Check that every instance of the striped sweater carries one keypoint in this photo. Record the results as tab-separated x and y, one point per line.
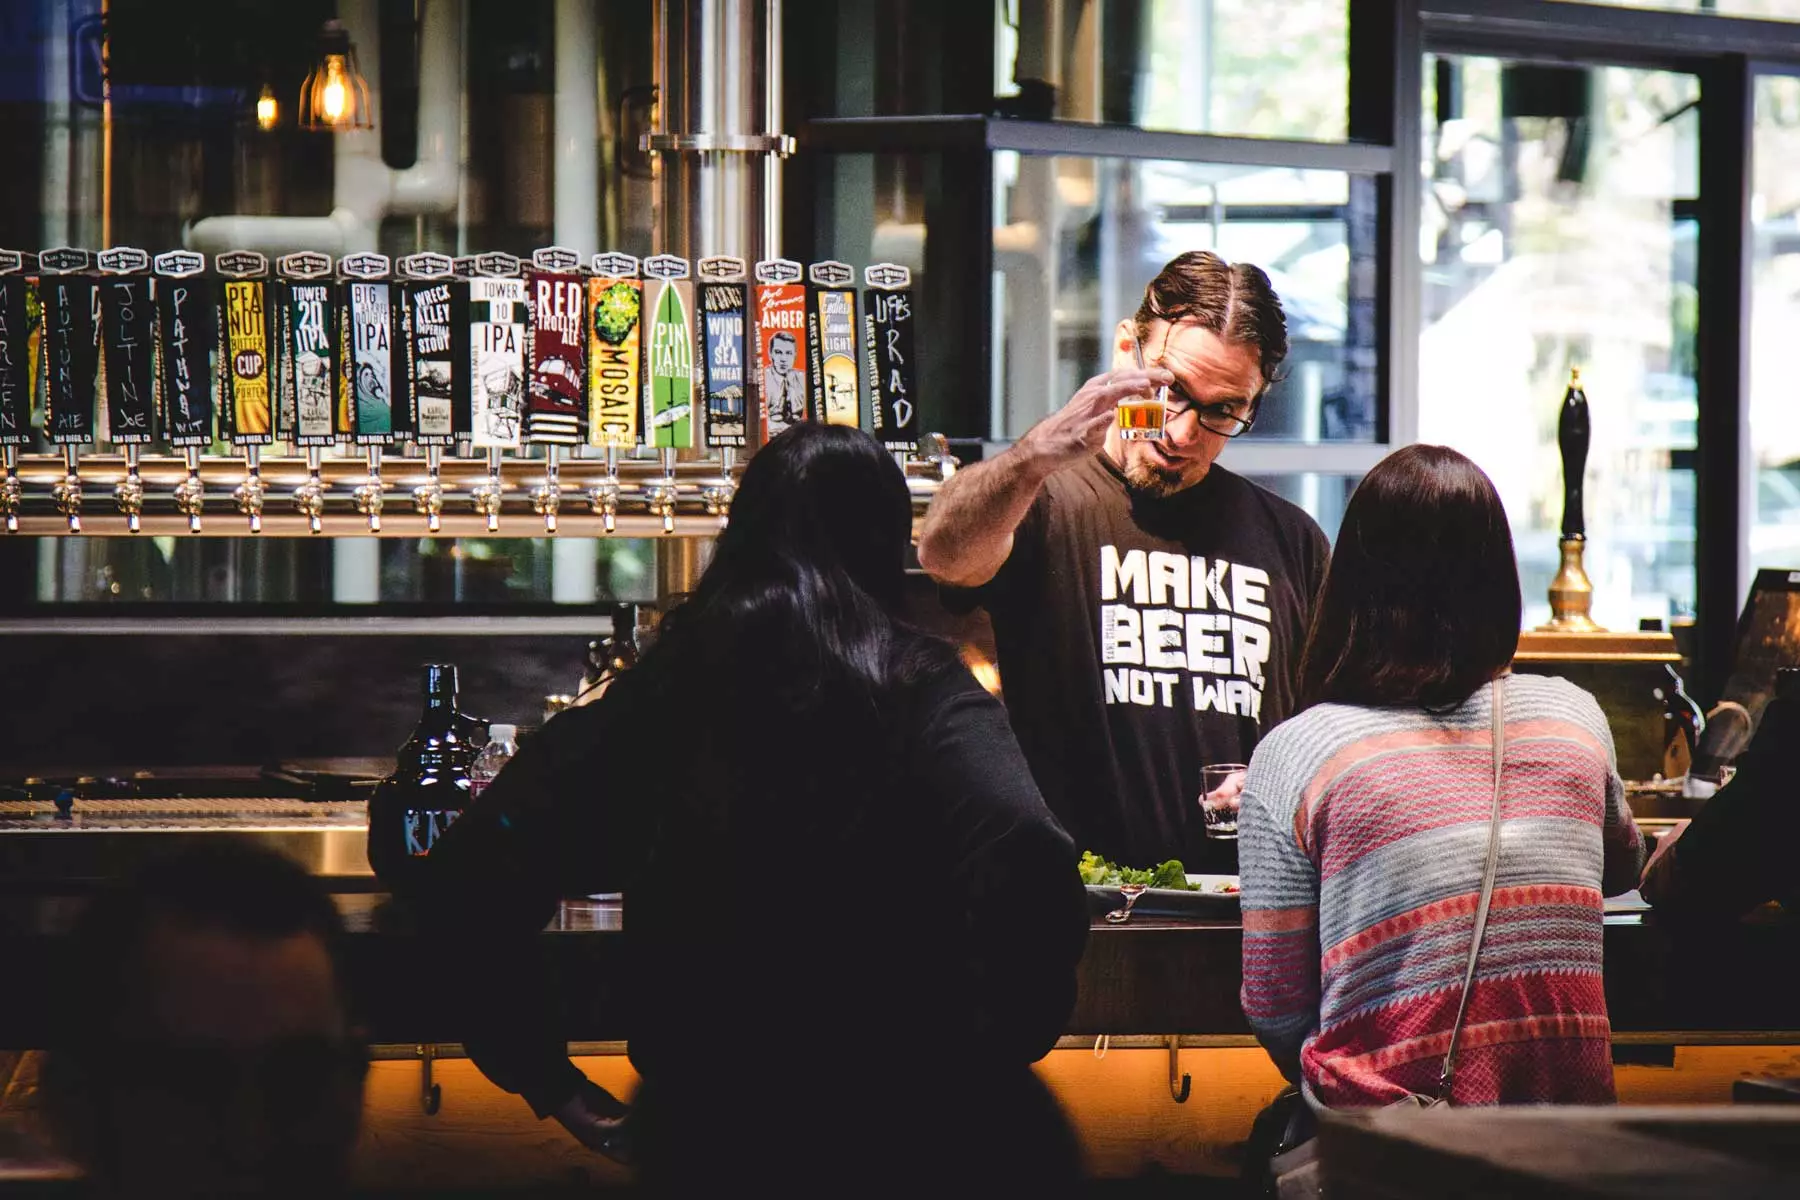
1361	843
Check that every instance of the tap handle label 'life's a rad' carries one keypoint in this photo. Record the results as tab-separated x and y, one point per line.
186	319
723	314
832	339
671	381
615	350
128	329
71	301
888	318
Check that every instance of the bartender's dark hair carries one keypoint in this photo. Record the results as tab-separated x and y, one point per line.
1233	300
1421	602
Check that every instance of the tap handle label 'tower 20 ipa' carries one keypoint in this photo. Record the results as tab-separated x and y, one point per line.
722	314
671	353
782	394
71	345
186	311
128	326
311	370
833	337
18	363
892	378
498	324
615	350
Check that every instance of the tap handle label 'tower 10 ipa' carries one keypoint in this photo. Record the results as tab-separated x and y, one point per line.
833	337
186	314
498	324
615	350
71	345
670	410
781	359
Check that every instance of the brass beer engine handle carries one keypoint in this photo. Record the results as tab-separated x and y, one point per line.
1571	592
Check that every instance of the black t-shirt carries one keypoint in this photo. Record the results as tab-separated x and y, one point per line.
1142	638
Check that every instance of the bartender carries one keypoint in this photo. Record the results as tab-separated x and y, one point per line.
1148	605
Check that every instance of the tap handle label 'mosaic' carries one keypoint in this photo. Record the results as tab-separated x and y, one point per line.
18	359
244	363
832	337
436	320
781	358
892	376
71	302
499	322
670	387
186	318
128	334
723	313
556	407
615	350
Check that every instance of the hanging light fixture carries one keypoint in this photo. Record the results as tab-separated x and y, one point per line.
267	110
335	95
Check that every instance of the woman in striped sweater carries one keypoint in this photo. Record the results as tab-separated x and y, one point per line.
1364	823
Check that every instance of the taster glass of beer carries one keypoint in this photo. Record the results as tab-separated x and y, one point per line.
1140	418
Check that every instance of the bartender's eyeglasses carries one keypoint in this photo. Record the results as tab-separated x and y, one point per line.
1227	418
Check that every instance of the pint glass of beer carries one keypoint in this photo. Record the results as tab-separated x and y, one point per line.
1140	417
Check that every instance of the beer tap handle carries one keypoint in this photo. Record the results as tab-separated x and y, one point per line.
717	494
309	497
603	496
11	494
190	493
67	494
251	493
369	493
1572	436
546	497
428	497
129	494
487	495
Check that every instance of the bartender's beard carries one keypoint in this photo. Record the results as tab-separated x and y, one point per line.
1150	478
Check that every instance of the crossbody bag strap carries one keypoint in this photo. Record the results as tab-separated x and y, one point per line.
1487	890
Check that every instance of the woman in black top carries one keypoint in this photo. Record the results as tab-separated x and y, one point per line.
837	872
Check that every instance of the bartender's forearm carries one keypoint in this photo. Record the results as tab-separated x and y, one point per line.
968	531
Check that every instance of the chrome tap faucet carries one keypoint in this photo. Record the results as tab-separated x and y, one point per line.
546	497
190	493
11	493
660	495
67	494
129	494
251	493
603	496
487	495
369	493
717	493
309	497
428	497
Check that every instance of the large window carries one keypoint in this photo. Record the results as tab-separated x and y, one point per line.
1775	315
1557	234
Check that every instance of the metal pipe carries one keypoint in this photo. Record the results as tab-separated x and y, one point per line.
577	129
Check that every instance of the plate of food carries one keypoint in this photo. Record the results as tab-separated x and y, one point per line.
1166	890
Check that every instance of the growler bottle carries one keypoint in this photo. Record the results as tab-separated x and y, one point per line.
429	788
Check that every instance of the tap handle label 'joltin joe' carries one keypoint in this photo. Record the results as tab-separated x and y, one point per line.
892	382
369	352
781	359
128	328
18	360
615	350
498	325
435	310
554	412
244	362
670	378
723	305
186	312
308	326
71	344
832	338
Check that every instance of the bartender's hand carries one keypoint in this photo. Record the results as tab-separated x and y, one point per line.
1079	428
1659	872
595	1118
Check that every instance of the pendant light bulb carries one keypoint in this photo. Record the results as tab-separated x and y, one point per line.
267	110
335	95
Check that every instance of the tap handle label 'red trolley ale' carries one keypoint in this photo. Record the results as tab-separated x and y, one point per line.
554	409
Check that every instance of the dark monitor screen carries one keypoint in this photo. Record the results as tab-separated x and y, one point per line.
1768	639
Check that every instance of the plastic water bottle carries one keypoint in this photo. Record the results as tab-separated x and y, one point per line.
501	747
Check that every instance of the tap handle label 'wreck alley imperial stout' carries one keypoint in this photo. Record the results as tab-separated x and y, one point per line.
892	381
498	325
244	363
833	338
71	345
782	394
723	306
186	312
558	347
309	348
615	350
434	315
671	353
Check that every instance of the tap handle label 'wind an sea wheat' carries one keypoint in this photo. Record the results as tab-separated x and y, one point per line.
128	329
781	359
435	312
19	315
671	353
71	345
498	324
369	351
186	312
892	379
615	350
723	303
832	336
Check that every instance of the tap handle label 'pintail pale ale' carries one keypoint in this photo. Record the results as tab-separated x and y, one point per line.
670	408
615	301
832	338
